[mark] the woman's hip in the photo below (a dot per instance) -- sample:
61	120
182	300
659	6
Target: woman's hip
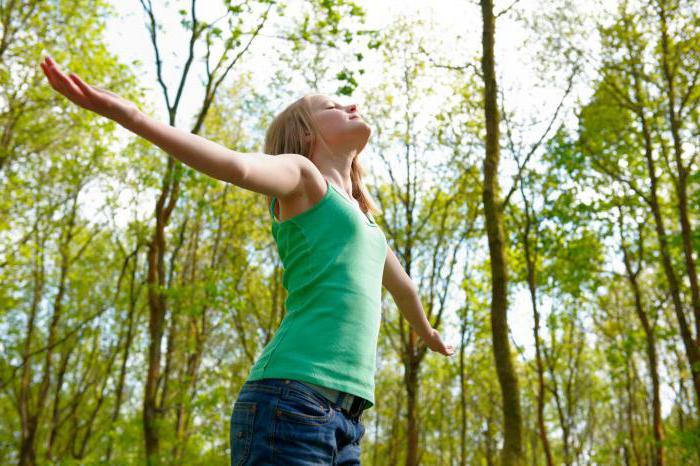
283	420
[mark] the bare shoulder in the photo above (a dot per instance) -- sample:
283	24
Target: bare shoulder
312	185
314	181
311	190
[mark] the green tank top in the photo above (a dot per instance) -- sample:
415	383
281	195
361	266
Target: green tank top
333	257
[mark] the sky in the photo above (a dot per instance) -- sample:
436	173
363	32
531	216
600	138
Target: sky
459	33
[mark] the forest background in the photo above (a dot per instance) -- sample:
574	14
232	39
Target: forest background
537	168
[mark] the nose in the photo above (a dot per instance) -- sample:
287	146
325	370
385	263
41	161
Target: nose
353	108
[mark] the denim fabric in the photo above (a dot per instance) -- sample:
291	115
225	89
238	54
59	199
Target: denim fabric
284	422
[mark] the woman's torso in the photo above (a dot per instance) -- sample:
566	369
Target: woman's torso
333	256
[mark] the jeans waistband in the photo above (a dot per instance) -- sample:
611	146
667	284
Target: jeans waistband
351	403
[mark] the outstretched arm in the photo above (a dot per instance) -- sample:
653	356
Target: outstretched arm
274	175
407	299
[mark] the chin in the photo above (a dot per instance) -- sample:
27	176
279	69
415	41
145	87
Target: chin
364	142
366	129
358	137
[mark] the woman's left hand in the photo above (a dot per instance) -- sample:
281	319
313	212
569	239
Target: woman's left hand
435	343
93	98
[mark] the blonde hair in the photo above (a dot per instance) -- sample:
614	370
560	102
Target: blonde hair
285	135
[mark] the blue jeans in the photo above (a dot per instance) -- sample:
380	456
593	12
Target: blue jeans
282	421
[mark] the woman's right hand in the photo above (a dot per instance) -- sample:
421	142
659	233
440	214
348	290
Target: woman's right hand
435	343
90	97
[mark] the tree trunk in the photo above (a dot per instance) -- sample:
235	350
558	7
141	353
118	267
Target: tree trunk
512	453
119	391
530	260
462	396
27	420
657	425
28	447
675	121
411	382
690	345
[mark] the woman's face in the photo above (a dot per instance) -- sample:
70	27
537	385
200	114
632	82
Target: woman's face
340	124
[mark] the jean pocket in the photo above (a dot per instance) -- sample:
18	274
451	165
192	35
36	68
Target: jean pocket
242	431
304	408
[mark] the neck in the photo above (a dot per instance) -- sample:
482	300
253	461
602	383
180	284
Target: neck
336	167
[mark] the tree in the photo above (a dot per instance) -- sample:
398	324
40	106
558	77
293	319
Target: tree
512	453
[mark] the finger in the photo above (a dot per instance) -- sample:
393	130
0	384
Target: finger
50	62
53	74
105	91
52	79
47	72
84	87
91	90
60	77
70	85
43	69
73	92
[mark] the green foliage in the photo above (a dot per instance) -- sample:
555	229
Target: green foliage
76	224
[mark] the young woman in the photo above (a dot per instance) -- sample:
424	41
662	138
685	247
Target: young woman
303	399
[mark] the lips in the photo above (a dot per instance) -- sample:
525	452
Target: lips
354	117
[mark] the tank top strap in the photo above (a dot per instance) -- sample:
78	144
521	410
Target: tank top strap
271	208
356	206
